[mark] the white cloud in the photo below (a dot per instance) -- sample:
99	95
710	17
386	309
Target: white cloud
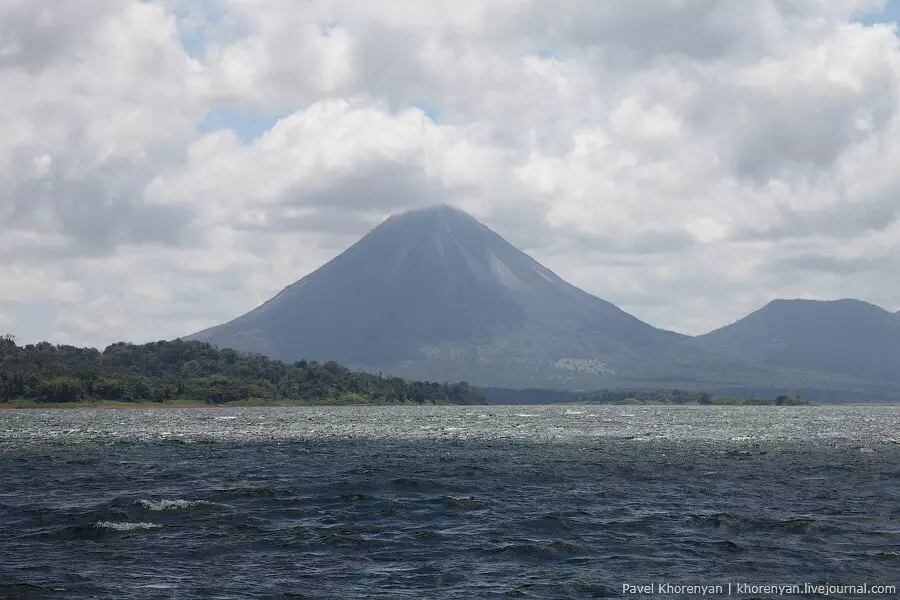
25	285
688	163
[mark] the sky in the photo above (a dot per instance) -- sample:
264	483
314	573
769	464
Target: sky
167	165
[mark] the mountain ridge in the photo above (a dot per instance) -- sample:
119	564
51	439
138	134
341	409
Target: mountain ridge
818	334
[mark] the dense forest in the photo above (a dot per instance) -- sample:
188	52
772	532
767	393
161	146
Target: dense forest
195	371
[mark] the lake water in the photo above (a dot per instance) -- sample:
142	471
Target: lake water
445	502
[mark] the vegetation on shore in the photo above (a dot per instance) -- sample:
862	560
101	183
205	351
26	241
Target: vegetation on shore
23	403
676	396
196	373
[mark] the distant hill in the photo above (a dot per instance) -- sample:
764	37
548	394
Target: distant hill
847	337
196	372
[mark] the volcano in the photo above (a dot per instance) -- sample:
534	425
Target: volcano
434	293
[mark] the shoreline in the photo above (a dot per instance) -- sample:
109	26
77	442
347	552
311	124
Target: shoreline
202	405
198	405
106	405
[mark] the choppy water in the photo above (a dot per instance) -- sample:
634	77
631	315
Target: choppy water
443	502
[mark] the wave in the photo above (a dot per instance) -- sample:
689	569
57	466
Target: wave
125	526
523	550
463	502
734	523
178	503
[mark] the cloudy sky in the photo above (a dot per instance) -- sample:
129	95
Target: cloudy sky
167	165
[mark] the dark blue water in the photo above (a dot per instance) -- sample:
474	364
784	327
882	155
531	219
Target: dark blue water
455	502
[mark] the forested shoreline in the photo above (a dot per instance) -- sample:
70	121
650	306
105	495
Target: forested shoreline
678	396
173	371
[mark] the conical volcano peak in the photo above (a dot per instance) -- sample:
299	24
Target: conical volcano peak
437	216
444	242
438	231
433	210
434	289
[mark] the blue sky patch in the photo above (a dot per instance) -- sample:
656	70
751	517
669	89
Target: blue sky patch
429	108
246	124
326	28
549	55
889	14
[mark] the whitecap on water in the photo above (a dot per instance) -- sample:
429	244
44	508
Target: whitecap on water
159	505
125	526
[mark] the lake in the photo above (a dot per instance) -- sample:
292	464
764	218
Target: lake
445	502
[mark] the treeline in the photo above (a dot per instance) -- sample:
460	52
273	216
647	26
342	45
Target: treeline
659	396
677	396
170	371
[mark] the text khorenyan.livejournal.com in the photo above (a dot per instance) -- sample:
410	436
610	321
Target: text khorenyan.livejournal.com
736	589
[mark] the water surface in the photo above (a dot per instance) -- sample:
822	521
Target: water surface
443	502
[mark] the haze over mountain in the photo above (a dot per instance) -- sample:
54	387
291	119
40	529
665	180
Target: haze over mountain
435	294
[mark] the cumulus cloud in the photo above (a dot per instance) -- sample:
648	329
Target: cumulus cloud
688	162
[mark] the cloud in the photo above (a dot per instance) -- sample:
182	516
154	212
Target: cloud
34	36
843	266
32	284
96	101
166	165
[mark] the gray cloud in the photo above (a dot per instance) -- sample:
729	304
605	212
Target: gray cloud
769	133
374	185
98	212
633	33
33	36
847	223
842	266
352	202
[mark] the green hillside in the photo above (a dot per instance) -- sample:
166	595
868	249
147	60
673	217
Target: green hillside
198	372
